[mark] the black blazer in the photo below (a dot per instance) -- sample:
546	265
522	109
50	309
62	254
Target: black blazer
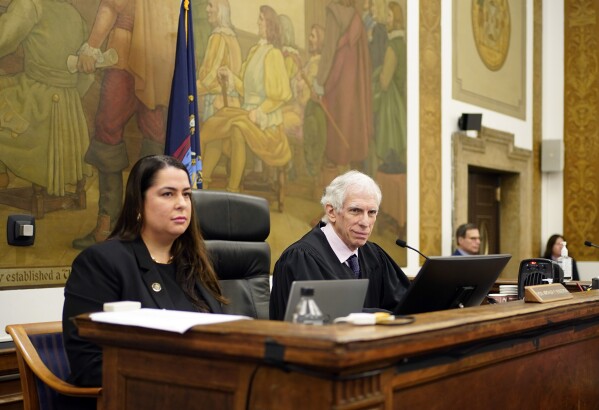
110	271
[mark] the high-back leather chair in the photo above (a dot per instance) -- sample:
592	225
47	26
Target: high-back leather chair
235	227
43	367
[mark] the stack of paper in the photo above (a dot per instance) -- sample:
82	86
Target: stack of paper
169	320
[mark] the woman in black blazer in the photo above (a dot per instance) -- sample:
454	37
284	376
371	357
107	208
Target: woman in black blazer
154	255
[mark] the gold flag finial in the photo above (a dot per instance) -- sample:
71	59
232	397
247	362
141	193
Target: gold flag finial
186	7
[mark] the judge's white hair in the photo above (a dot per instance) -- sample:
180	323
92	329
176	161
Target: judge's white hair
350	182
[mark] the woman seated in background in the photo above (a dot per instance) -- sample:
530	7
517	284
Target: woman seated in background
154	255
553	251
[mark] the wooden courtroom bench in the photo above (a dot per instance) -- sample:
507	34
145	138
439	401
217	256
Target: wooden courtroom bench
510	355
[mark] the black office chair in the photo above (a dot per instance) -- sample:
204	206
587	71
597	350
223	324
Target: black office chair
235	227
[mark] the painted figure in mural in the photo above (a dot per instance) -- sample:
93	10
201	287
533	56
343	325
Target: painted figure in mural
223	51
377	32
264	86
293	110
367	17
43	132
390	97
345	77
143	33
314	130
201	28
293	60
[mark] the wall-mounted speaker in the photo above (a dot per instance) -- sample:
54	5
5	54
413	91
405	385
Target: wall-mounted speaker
552	156
20	230
470	122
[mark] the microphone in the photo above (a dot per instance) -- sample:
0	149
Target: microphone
403	244
591	244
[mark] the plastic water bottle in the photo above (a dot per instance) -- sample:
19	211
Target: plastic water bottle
566	263
307	311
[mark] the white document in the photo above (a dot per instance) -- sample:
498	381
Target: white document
169	320
110	58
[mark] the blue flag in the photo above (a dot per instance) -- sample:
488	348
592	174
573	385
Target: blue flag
182	127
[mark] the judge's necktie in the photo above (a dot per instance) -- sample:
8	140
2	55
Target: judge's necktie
354	265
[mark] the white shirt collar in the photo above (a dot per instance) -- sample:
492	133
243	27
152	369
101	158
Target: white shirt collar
339	247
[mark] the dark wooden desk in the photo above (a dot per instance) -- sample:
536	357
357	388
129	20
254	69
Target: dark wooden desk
512	355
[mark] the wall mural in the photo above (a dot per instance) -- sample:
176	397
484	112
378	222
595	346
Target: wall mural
291	94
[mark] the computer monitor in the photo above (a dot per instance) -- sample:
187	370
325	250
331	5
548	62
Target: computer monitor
452	282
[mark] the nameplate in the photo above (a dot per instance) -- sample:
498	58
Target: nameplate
546	293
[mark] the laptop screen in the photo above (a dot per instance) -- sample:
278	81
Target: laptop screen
335	298
454	281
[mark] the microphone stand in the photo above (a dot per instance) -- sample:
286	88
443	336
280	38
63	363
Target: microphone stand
590	244
403	244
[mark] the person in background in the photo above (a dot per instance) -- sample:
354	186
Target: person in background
351	203
553	250
467	239
154	255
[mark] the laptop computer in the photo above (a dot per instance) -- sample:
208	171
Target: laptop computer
452	282
335	298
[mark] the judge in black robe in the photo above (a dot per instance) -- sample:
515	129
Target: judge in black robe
351	203
312	258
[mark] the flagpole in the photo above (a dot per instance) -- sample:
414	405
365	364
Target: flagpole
186	6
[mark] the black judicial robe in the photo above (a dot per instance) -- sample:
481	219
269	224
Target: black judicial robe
312	258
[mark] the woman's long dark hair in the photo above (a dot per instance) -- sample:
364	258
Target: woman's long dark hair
549	248
188	251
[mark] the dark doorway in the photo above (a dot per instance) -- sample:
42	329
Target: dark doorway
484	195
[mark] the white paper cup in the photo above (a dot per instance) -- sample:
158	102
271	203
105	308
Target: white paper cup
498	297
